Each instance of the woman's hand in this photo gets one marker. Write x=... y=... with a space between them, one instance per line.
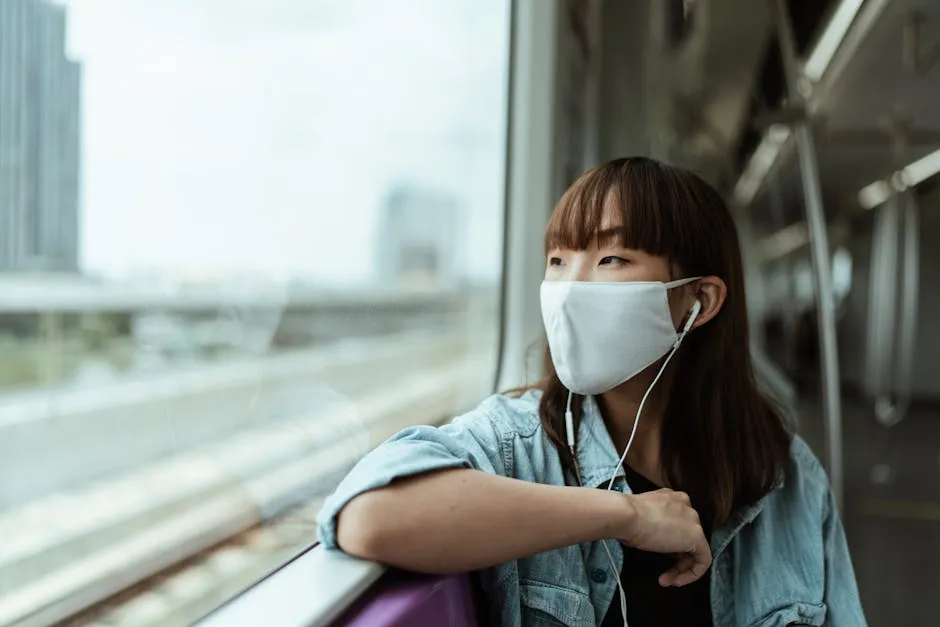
x=664 y=522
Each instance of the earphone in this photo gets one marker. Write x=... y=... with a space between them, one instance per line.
x=570 y=440
x=693 y=314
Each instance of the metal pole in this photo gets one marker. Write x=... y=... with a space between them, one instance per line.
x=910 y=292
x=898 y=384
x=819 y=247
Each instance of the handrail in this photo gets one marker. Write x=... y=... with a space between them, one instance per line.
x=775 y=144
x=819 y=249
x=881 y=297
x=910 y=293
x=773 y=381
x=893 y=306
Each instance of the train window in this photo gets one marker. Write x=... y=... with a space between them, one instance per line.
x=243 y=242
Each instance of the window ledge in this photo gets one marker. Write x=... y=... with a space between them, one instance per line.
x=310 y=591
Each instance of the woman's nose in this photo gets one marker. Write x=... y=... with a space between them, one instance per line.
x=579 y=269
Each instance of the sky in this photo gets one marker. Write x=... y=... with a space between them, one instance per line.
x=263 y=135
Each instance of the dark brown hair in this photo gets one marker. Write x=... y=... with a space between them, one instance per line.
x=722 y=442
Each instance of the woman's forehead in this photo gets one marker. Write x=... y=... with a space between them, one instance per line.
x=611 y=219
x=611 y=225
x=605 y=229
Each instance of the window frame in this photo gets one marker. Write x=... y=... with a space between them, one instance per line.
x=313 y=589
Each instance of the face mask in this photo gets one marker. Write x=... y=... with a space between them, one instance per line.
x=603 y=334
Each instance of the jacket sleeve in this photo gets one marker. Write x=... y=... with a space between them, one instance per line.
x=470 y=441
x=844 y=607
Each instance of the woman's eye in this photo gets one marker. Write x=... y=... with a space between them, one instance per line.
x=554 y=261
x=611 y=259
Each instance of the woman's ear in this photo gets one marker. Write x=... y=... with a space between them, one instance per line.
x=710 y=291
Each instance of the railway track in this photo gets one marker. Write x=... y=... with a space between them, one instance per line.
x=189 y=590
x=163 y=544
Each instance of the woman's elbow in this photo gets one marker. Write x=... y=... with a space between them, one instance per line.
x=359 y=528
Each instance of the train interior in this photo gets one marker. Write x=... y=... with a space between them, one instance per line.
x=818 y=121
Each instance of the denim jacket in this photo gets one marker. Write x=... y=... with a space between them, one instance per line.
x=783 y=561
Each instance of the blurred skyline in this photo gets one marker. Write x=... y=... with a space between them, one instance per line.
x=264 y=135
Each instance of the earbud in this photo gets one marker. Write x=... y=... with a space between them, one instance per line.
x=693 y=314
x=569 y=425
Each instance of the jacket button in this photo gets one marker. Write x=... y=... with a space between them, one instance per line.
x=598 y=575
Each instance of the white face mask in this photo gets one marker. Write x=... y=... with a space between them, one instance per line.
x=603 y=334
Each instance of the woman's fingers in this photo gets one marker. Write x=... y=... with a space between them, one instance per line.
x=688 y=568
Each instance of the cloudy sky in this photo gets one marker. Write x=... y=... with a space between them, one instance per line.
x=263 y=134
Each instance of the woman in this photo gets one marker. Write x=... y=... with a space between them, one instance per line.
x=709 y=511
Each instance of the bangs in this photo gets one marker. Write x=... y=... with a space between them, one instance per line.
x=629 y=202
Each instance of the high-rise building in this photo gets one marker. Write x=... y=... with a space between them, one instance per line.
x=40 y=126
x=15 y=16
x=417 y=239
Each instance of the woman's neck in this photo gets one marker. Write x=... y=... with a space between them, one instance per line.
x=619 y=408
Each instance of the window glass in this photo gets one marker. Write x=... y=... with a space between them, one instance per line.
x=241 y=242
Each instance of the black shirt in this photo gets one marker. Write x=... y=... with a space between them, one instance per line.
x=648 y=603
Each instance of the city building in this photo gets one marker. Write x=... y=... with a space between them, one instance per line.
x=417 y=242
x=40 y=139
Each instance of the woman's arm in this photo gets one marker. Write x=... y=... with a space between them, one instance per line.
x=462 y=520
x=441 y=500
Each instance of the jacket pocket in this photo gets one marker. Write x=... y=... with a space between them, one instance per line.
x=545 y=605
x=794 y=615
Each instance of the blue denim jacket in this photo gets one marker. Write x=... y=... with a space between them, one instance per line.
x=783 y=561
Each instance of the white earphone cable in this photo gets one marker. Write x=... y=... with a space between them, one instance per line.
x=569 y=432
